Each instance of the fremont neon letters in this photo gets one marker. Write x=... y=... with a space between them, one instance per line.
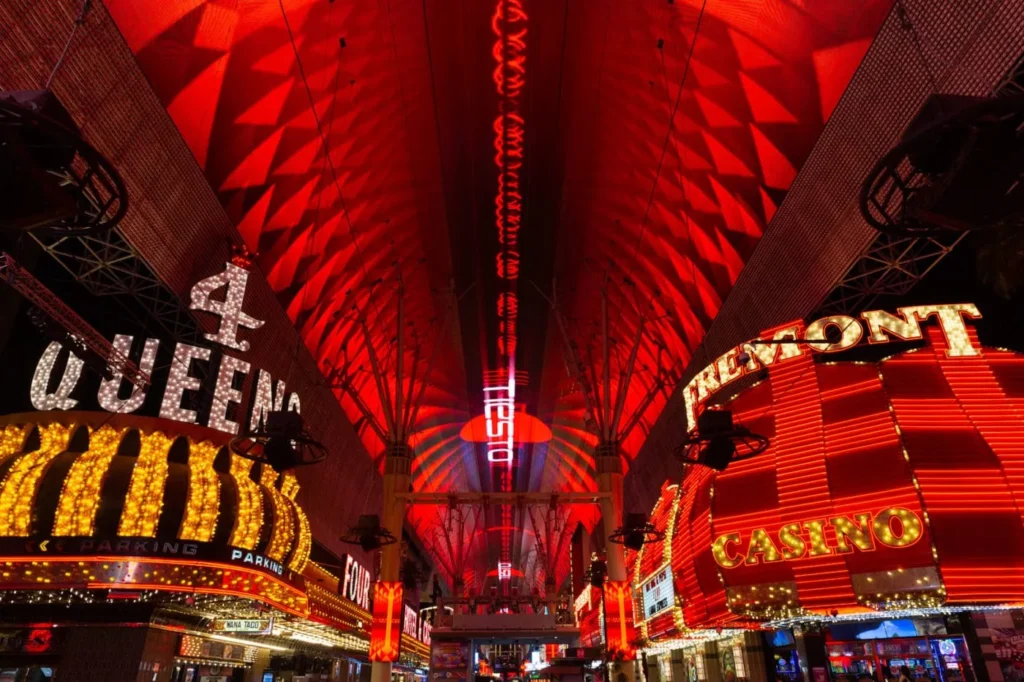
x=893 y=527
x=878 y=326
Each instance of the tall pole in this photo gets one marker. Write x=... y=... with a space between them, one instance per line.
x=397 y=468
x=609 y=480
x=399 y=378
x=607 y=366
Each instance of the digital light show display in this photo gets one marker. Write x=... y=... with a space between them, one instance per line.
x=657 y=593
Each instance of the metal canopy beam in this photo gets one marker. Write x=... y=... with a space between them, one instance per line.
x=551 y=498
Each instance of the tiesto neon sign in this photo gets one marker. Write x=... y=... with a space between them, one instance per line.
x=881 y=327
x=499 y=415
x=267 y=395
x=894 y=527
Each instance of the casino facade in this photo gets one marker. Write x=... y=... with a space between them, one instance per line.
x=511 y=341
x=144 y=545
x=882 y=526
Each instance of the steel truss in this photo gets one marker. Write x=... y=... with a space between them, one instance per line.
x=108 y=266
x=892 y=265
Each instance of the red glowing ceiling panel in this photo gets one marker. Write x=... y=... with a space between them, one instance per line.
x=314 y=124
x=689 y=121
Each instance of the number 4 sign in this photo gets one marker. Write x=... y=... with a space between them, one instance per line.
x=230 y=309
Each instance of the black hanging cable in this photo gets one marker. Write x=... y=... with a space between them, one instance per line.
x=79 y=21
x=668 y=138
x=908 y=25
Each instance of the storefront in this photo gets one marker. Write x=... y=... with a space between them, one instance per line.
x=145 y=549
x=880 y=529
x=878 y=649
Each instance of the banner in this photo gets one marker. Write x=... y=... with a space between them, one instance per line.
x=620 y=631
x=386 y=630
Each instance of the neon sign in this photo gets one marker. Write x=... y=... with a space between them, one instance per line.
x=504 y=570
x=894 y=527
x=880 y=326
x=499 y=415
x=356 y=583
x=658 y=593
x=267 y=395
x=509 y=26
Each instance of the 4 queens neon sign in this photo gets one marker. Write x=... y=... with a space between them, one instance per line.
x=499 y=415
x=265 y=395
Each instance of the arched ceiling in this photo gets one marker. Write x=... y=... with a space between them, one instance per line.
x=352 y=144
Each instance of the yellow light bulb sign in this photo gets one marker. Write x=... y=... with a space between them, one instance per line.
x=894 y=527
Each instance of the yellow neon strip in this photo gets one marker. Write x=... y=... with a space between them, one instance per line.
x=284 y=526
x=300 y=555
x=12 y=439
x=249 y=520
x=203 y=505
x=146 y=492
x=18 y=491
x=80 y=497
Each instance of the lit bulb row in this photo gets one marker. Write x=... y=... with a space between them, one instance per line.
x=203 y=505
x=145 y=497
x=79 y=499
x=304 y=541
x=18 y=491
x=61 y=398
x=284 y=526
x=249 y=518
x=12 y=439
x=198 y=578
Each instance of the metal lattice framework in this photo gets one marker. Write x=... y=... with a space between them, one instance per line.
x=108 y=266
x=893 y=264
x=81 y=332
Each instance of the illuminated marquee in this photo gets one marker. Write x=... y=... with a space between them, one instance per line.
x=268 y=395
x=880 y=327
x=356 y=583
x=415 y=627
x=657 y=593
x=894 y=527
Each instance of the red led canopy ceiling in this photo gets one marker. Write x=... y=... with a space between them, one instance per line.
x=679 y=127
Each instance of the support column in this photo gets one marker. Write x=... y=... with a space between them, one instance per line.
x=397 y=476
x=609 y=480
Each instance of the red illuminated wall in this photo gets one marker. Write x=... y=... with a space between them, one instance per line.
x=940 y=437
